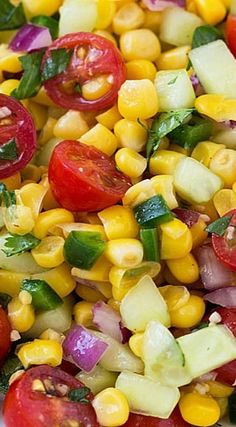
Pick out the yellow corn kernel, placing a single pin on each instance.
(8, 86)
(51, 334)
(111, 407)
(119, 222)
(9, 60)
(18, 220)
(131, 134)
(128, 17)
(121, 3)
(49, 253)
(109, 118)
(42, 7)
(224, 201)
(124, 253)
(40, 352)
(163, 184)
(59, 278)
(106, 11)
(176, 240)
(39, 114)
(211, 11)
(130, 162)
(184, 269)
(47, 131)
(47, 220)
(138, 99)
(140, 69)
(97, 87)
(223, 164)
(190, 314)
(223, 404)
(102, 138)
(31, 172)
(83, 313)
(31, 196)
(178, 149)
(152, 21)
(139, 193)
(164, 162)
(10, 282)
(217, 107)
(200, 410)
(227, 3)
(106, 35)
(99, 272)
(175, 296)
(13, 182)
(71, 125)
(191, 7)
(174, 59)
(219, 390)
(21, 316)
(89, 294)
(198, 232)
(65, 229)
(205, 150)
(43, 98)
(114, 304)
(206, 209)
(140, 44)
(25, 297)
(136, 344)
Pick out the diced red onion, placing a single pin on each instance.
(31, 37)
(158, 5)
(187, 216)
(213, 273)
(198, 89)
(231, 124)
(225, 297)
(210, 376)
(108, 321)
(83, 348)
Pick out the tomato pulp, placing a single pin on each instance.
(175, 420)
(225, 246)
(27, 407)
(231, 33)
(5, 331)
(93, 56)
(16, 125)
(83, 178)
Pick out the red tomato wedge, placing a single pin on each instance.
(225, 246)
(175, 420)
(5, 331)
(93, 56)
(228, 318)
(25, 407)
(15, 124)
(231, 33)
(227, 373)
(83, 178)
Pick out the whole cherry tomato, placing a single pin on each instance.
(225, 246)
(5, 331)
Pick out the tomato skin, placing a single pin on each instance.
(21, 129)
(36, 409)
(227, 373)
(107, 60)
(5, 331)
(225, 253)
(175, 420)
(83, 178)
(231, 33)
(228, 317)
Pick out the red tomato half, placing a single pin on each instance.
(231, 33)
(175, 420)
(5, 331)
(83, 178)
(93, 56)
(16, 123)
(228, 317)
(25, 407)
(227, 373)
(225, 246)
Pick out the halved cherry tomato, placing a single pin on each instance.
(227, 373)
(16, 124)
(225, 246)
(83, 178)
(231, 33)
(5, 331)
(228, 318)
(175, 420)
(25, 407)
(93, 56)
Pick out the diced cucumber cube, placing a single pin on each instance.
(178, 26)
(215, 67)
(77, 15)
(174, 90)
(146, 396)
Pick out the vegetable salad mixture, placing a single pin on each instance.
(118, 212)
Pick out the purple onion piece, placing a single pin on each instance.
(31, 37)
(156, 5)
(225, 297)
(187, 216)
(108, 321)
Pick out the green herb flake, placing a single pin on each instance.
(8, 197)
(202, 325)
(11, 366)
(205, 34)
(8, 151)
(16, 244)
(219, 226)
(30, 82)
(78, 88)
(11, 17)
(79, 395)
(47, 21)
(171, 82)
(56, 63)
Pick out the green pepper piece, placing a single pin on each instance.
(149, 239)
(43, 296)
(189, 134)
(153, 212)
(83, 248)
